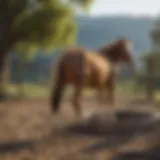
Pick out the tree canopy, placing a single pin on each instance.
(155, 34)
(43, 23)
(35, 24)
(155, 53)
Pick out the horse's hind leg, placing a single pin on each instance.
(100, 96)
(56, 97)
(111, 91)
(77, 96)
(110, 95)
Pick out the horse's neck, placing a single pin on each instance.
(109, 53)
(115, 67)
(112, 60)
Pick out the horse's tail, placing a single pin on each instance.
(57, 90)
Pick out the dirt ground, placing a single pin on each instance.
(29, 131)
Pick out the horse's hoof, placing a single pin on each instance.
(54, 111)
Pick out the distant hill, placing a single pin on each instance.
(96, 31)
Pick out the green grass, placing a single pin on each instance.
(36, 90)
(29, 90)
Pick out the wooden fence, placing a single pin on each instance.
(151, 78)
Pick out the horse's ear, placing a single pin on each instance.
(123, 42)
(102, 48)
(123, 39)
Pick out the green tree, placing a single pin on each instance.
(155, 52)
(25, 52)
(41, 23)
(155, 34)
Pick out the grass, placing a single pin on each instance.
(29, 90)
(34, 90)
(43, 91)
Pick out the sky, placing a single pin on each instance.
(132, 7)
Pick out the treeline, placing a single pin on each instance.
(33, 71)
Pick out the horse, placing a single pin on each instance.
(82, 68)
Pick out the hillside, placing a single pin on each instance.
(95, 31)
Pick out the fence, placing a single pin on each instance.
(151, 79)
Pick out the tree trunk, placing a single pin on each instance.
(21, 78)
(3, 58)
(150, 79)
(7, 40)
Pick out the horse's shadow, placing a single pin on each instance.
(17, 145)
(148, 154)
(128, 126)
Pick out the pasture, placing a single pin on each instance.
(29, 131)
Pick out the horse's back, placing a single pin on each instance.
(74, 63)
(100, 68)
(81, 65)
(98, 62)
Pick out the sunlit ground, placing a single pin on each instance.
(31, 119)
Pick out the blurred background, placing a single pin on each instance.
(33, 35)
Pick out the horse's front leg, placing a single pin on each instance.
(77, 97)
(100, 96)
(111, 95)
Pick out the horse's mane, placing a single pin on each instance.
(112, 45)
(110, 50)
(76, 49)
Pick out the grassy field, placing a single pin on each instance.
(37, 90)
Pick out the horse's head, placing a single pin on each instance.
(119, 52)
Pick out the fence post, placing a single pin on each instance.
(150, 79)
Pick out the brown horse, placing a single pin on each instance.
(83, 68)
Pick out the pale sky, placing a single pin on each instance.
(133, 7)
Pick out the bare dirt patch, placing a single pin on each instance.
(27, 132)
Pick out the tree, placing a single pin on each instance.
(155, 52)
(41, 23)
(155, 34)
(25, 52)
